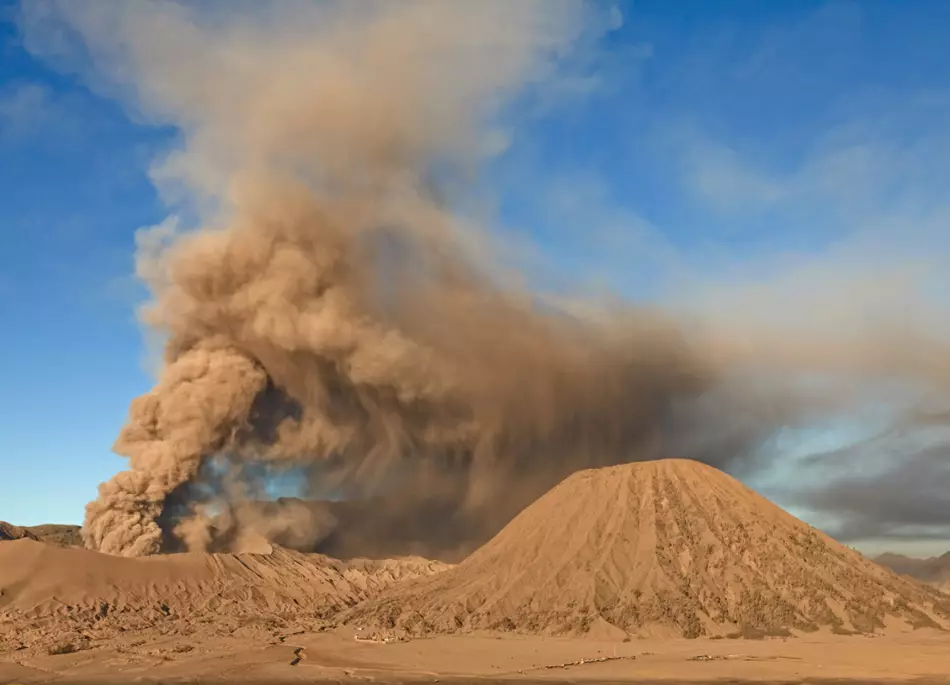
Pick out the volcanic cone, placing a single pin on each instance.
(662, 548)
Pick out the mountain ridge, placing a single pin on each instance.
(934, 571)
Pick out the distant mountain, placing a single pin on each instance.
(51, 533)
(10, 532)
(934, 571)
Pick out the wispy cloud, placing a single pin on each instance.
(825, 225)
(854, 170)
(34, 113)
(26, 109)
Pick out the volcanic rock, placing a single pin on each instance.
(665, 548)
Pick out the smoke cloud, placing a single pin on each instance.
(334, 313)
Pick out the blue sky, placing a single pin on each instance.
(724, 138)
(73, 190)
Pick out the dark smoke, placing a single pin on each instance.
(335, 310)
(905, 498)
(334, 314)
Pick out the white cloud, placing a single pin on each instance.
(33, 113)
(871, 165)
(719, 176)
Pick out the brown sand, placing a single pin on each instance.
(669, 548)
(919, 657)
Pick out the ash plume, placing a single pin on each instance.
(336, 313)
(333, 309)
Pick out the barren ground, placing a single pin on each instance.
(922, 656)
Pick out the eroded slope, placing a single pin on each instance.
(664, 548)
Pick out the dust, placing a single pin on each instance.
(331, 309)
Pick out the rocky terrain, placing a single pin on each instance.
(52, 533)
(10, 532)
(55, 598)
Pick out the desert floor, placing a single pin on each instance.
(922, 656)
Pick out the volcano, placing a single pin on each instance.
(53, 595)
(669, 548)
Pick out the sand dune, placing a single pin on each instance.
(665, 548)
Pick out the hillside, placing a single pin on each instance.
(67, 535)
(665, 548)
(52, 595)
(934, 571)
(52, 533)
(10, 532)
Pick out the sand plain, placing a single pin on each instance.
(918, 656)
